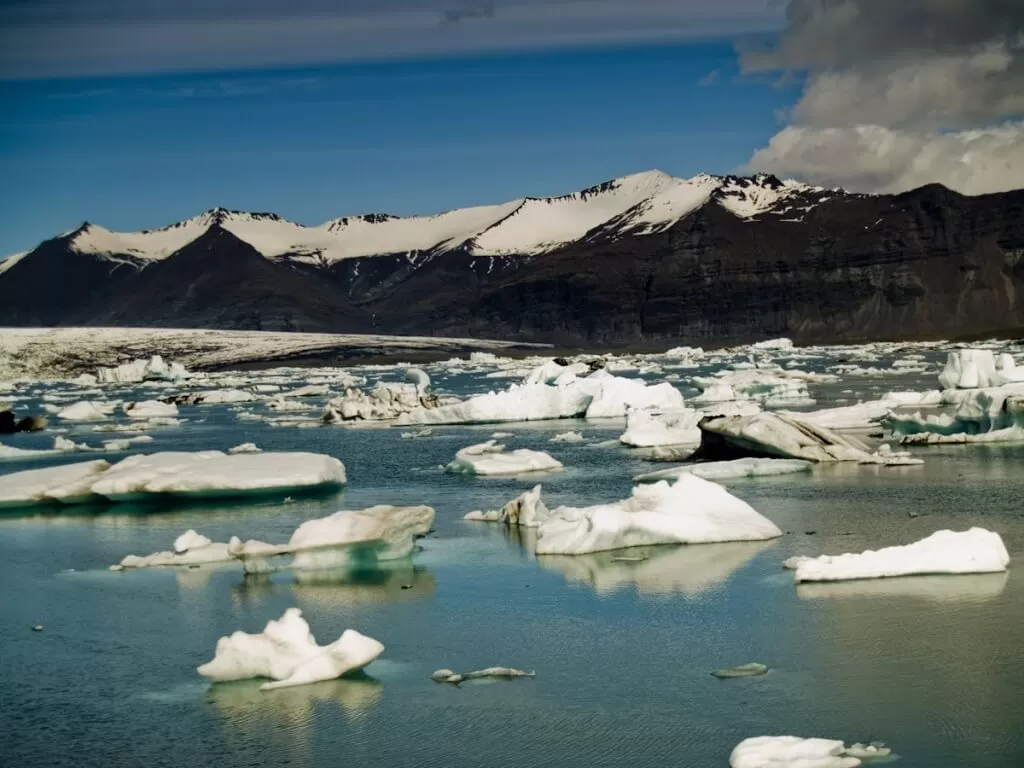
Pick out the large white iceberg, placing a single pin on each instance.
(692, 511)
(287, 652)
(791, 752)
(944, 552)
(729, 470)
(347, 538)
(993, 414)
(599, 395)
(203, 473)
(491, 459)
(526, 510)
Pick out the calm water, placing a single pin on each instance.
(622, 651)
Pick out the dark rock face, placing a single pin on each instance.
(926, 264)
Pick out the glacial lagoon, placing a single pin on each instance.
(622, 647)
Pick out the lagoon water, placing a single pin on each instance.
(622, 650)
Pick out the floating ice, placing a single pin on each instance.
(346, 538)
(141, 370)
(384, 403)
(977, 368)
(150, 409)
(204, 473)
(692, 511)
(569, 437)
(944, 552)
(755, 384)
(776, 435)
(86, 411)
(526, 510)
(214, 397)
(646, 430)
(752, 669)
(244, 448)
(506, 673)
(190, 548)
(866, 415)
(791, 752)
(32, 486)
(287, 652)
(729, 470)
(995, 414)
(491, 459)
(425, 432)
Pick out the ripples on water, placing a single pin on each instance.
(623, 649)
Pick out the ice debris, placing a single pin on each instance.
(944, 552)
(287, 652)
(729, 470)
(692, 511)
(526, 510)
(141, 370)
(752, 669)
(490, 458)
(507, 673)
(791, 752)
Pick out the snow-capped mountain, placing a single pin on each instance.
(643, 203)
(642, 259)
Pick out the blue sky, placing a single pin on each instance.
(407, 132)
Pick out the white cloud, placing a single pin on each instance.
(875, 158)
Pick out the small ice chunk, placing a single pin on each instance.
(568, 437)
(526, 510)
(244, 448)
(506, 673)
(753, 669)
(790, 752)
(287, 652)
(150, 409)
(190, 540)
(85, 410)
(491, 459)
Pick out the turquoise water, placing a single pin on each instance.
(622, 651)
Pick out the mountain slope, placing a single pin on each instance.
(646, 258)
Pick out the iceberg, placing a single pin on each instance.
(755, 384)
(775, 435)
(190, 548)
(944, 552)
(526, 510)
(150, 409)
(141, 477)
(384, 403)
(86, 411)
(347, 538)
(978, 369)
(692, 511)
(869, 414)
(645, 429)
(993, 414)
(32, 486)
(791, 752)
(729, 470)
(287, 653)
(491, 459)
(141, 370)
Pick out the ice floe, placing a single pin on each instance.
(979, 369)
(345, 539)
(791, 752)
(141, 370)
(501, 673)
(490, 458)
(776, 435)
(244, 448)
(989, 415)
(150, 409)
(202, 473)
(772, 387)
(569, 437)
(944, 552)
(729, 470)
(526, 510)
(646, 430)
(690, 511)
(287, 653)
(86, 411)
(190, 548)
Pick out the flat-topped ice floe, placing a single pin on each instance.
(190, 548)
(491, 458)
(647, 430)
(345, 539)
(287, 653)
(796, 752)
(729, 470)
(200, 474)
(944, 552)
(150, 409)
(692, 511)
(86, 411)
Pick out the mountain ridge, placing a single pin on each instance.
(636, 260)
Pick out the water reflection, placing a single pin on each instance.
(400, 580)
(966, 588)
(684, 570)
(242, 703)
